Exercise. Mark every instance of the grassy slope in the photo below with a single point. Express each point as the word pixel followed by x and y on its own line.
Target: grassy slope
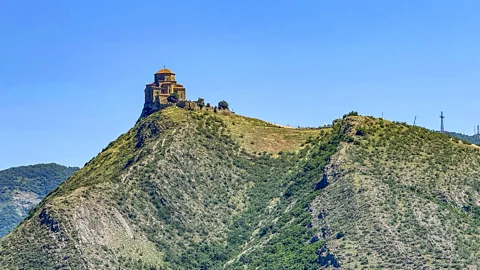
pixel 404 197
pixel 189 190
pixel 176 182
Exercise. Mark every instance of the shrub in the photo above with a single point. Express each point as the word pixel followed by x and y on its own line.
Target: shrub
pixel 181 104
pixel 352 113
pixel 360 131
pixel 223 105
pixel 173 98
pixel 201 102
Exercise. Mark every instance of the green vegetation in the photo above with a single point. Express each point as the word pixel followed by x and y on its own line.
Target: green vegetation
pixel 22 187
pixel 223 105
pixel 200 190
pixel 352 113
pixel 173 98
pixel 201 103
pixel 414 192
pixel 475 139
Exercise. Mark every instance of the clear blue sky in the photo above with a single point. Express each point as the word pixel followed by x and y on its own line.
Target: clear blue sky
pixel 72 73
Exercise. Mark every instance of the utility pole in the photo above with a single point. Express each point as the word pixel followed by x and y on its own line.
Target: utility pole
pixel 442 129
pixel 478 129
pixel 414 120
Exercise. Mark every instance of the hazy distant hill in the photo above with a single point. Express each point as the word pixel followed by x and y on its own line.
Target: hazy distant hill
pixel 475 139
pixel 199 190
pixel 22 187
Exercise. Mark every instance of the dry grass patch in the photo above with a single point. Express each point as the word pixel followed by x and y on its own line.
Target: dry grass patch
pixel 258 136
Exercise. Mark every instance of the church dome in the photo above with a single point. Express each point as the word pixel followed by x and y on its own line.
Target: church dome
pixel 164 71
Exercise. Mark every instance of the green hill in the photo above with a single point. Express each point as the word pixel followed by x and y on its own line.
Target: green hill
pixel 200 190
pixel 475 139
pixel 23 187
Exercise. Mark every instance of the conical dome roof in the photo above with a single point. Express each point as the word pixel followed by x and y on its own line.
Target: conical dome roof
pixel 164 71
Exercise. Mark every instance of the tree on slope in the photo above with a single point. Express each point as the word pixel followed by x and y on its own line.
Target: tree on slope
pixel 223 105
pixel 173 98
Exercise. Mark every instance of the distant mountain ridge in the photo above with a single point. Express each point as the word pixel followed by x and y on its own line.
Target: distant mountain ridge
pixel 23 187
pixel 475 139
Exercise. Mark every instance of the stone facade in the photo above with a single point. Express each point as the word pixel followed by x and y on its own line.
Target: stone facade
pixel 156 93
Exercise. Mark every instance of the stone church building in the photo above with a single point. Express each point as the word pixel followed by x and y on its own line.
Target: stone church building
pixel 156 93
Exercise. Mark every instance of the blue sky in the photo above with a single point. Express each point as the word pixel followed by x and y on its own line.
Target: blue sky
pixel 72 73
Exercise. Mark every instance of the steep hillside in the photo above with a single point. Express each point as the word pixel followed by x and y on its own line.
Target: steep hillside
pixel 404 198
pixel 23 187
pixel 198 190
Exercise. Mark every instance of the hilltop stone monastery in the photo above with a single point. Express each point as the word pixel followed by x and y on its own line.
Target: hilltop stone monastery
pixel 157 92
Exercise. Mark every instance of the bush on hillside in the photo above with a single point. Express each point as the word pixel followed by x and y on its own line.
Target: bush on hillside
pixel 201 102
pixel 352 113
pixel 181 104
pixel 223 105
pixel 173 98
pixel 360 131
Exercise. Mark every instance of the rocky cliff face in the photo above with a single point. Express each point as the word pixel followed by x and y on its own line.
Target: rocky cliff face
pixel 200 190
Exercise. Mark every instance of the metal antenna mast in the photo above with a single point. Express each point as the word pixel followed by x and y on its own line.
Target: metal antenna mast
pixel 478 129
pixel 414 120
pixel 441 122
